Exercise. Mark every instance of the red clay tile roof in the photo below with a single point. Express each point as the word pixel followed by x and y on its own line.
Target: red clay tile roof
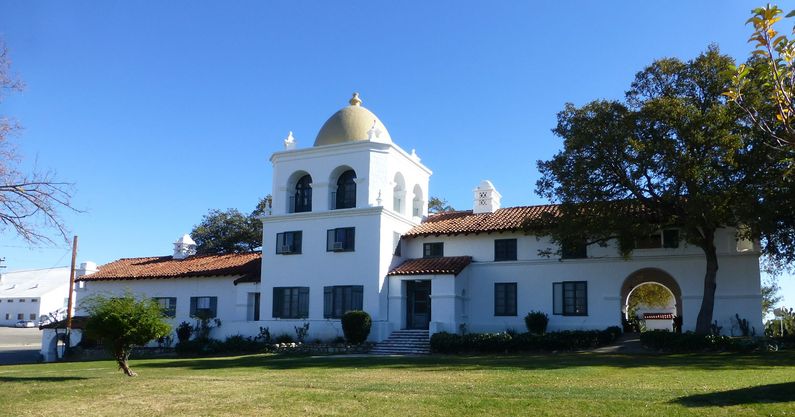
pixel 451 265
pixel 246 264
pixel 464 222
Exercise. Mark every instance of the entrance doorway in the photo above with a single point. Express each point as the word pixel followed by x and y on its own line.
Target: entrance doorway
pixel 418 304
pixel 653 316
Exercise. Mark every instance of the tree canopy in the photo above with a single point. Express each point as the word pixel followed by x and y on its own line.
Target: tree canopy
pixel 666 156
pixel 230 231
pixel 438 205
pixel 763 89
pixel 29 202
pixel 121 323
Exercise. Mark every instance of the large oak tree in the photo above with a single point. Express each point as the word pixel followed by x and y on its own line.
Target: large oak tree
pixel 666 156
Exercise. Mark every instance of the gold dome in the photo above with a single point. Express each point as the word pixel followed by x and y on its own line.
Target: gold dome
pixel 352 124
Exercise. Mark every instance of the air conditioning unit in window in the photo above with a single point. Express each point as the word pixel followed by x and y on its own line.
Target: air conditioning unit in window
pixel 286 249
pixel 338 246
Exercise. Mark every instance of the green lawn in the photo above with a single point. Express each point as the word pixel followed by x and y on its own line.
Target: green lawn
pixel 584 384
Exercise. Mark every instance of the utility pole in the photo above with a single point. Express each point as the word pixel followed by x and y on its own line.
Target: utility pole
pixel 71 295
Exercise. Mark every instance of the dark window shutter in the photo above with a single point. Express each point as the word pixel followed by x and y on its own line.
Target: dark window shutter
pixel 303 302
pixel 214 306
pixel 357 296
pixel 351 241
pixel 330 235
pixel 510 302
pixel 193 301
pixel 557 298
pixel 279 242
pixel 297 241
pixel 328 301
pixel 671 238
pixel 277 302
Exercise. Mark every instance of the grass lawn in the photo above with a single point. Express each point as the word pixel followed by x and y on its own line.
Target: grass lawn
pixel 584 384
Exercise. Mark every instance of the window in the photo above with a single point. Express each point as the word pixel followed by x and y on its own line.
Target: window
pixel 433 250
pixel 10 300
pixel 670 238
pixel 505 250
pixel 345 197
pixel 32 316
pixel 21 300
pixel 169 306
pixel 574 250
pixel 303 195
pixel 340 299
pixel 652 241
pixel 341 239
pixel 288 243
pixel 8 316
pixel 34 300
pixel 570 298
pixel 505 299
pixel 20 316
pixel 252 307
pixel 291 302
pixel 204 306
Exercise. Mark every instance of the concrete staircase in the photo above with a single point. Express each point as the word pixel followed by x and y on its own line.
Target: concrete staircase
pixel 404 342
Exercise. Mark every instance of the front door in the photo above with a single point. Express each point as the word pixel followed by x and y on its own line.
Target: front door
pixel 418 300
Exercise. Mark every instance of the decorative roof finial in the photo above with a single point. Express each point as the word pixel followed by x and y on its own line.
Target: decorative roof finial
pixel 289 143
pixel 355 100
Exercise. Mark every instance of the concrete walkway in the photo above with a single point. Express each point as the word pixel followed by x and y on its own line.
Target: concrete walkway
pixel 628 343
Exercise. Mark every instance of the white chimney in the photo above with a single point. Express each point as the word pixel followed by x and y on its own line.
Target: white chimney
pixel 85 269
pixel 184 247
pixel 487 199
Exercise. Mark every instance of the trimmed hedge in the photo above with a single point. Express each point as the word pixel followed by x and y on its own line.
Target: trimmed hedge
pixel 444 342
pixel 536 322
pixel 691 342
pixel 356 326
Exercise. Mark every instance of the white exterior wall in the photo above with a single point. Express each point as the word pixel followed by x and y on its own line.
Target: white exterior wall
pixel 231 308
pixel 377 166
pixel 738 281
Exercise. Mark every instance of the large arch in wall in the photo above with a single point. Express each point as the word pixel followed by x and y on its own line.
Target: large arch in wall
pixel 653 276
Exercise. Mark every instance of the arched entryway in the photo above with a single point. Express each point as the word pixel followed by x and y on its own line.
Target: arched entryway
pixel 652 276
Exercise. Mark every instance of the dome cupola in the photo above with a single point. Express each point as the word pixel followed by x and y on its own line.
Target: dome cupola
pixel 352 123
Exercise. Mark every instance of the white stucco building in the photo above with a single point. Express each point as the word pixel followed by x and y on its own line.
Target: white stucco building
pixel 349 229
pixel 32 294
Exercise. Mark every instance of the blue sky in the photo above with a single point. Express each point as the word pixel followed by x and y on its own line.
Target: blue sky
pixel 160 111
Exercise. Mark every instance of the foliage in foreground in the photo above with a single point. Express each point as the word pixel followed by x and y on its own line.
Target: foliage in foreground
pixel 505 342
pixel 120 323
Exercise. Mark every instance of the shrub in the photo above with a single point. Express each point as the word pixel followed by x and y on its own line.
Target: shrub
pixel 301 332
pixel 536 322
pixel 184 330
pixel 283 338
pixel 444 342
pixel 238 343
pixel 525 342
pixel 691 342
pixel 356 326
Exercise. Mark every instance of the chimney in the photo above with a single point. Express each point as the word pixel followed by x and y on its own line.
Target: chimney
pixel 184 247
pixel 487 199
pixel 86 268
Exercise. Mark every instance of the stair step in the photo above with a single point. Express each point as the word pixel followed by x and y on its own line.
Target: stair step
pixel 404 342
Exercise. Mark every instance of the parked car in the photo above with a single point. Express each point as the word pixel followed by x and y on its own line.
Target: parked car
pixel 26 323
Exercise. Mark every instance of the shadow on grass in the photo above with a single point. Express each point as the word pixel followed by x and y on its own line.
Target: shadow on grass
pixel 773 393
pixel 39 378
pixel 549 361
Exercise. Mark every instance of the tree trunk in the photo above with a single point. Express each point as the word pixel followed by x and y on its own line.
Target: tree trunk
pixel 704 320
pixel 121 359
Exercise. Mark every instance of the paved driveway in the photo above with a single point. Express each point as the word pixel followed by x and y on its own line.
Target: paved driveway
pixel 19 345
